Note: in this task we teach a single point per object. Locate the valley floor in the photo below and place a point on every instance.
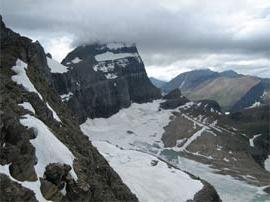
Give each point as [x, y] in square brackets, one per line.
[148, 177]
[140, 127]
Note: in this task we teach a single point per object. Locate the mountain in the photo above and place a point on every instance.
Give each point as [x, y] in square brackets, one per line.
[156, 82]
[99, 79]
[43, 153]
[231, 90]
[229, 73]
[189, 80]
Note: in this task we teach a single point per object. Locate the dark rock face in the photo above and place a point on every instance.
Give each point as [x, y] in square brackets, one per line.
[174, 94]
[104, 78]
[252, 122]
[208, 193]
[209, 105]
[15, 146]
[97, 181]
[50, 191]
[13, 191]
[174, 99]
[57, 174]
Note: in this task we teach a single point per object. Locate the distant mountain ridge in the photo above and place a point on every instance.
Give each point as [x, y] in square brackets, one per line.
[157, 82]
[231, 90]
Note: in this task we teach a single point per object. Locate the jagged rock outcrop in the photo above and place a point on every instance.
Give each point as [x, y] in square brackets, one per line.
[173, 99]
[103, 78]
[37, 129]
[174, 94]
[208, 193]
[208, 105]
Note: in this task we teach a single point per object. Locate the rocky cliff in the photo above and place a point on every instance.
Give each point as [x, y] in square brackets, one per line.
[43, 154]
[100, 79]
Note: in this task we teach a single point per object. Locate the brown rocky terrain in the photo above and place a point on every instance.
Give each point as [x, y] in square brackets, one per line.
[207, 136]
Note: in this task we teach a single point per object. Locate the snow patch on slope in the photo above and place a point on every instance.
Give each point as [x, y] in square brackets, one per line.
[28, 106]
[56, 67]
[122, 62]
[21, 77]
[191, 139]
[111, 76]
[76, 60]
[150, 183]
[47, 147]
[255, 104]
[267, 164]
[140, 125]
[118, 45]
[251, 140]
[106, 68]
[55, 116]
[113, 56]
[66, 97]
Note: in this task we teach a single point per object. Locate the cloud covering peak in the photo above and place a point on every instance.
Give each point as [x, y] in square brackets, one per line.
[172, 36]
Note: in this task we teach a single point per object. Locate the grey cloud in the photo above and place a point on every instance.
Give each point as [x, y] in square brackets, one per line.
[165, 31]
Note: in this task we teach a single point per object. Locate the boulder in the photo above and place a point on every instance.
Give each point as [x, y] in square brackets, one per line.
[57, 173]
[50, 191]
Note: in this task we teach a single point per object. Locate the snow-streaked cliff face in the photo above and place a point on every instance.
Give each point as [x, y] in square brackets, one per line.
[103, 78]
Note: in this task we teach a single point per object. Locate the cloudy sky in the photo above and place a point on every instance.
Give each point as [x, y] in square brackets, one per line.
[172, 36]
